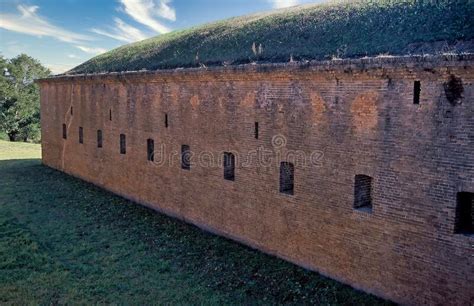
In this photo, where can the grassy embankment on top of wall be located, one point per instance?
(308, 32)
(64, 241)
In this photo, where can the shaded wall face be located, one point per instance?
(411, 161)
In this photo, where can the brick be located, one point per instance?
(360, 116)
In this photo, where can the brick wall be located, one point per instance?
(332, 121)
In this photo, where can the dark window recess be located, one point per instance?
(166, 120)
(287, 177)
(99, 139)
(81, 135)
(229, 166)
(416, 92)
(110, 114)
(363, 192)
(123, 144)
(72, 111)
(454, 90)
(256, 130)
(150, 148)
(185, 157)
(464, 213)
(64, 131)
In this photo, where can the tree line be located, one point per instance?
(20, 97)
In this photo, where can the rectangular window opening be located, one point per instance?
(256, 130)
(363, 192)
(123, 144)
(150, 148)
(416, 92)
(287, 177)
(72, 111)
(99, 138)
(464, 213)
(110, 115)
(64, 131)
(81, 135)
(229, 166)
(185, 157)
(166, 120)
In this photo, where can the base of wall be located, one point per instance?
(209, 229)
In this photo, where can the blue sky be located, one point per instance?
(65, 33)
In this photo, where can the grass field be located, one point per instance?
(65, 241)
(338, 29)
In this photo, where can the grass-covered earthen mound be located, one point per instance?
(308, 32)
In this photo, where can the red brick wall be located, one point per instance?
(354, 117)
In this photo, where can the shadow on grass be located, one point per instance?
(63, 240)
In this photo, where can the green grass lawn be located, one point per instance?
(63, 240)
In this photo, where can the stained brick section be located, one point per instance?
(358, 115)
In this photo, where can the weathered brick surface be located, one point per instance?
(358, 113)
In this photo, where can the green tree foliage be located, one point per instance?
(19, 97)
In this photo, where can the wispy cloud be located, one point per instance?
(122, 31)
(29, 22)
(283, 3)
(89, 50)
(147, 13)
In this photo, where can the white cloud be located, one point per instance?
(89, 50)
(122, 31)
(166, 11)
(29, 22)
(283, 3)
(147, 11)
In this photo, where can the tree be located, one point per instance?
(19, 97)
